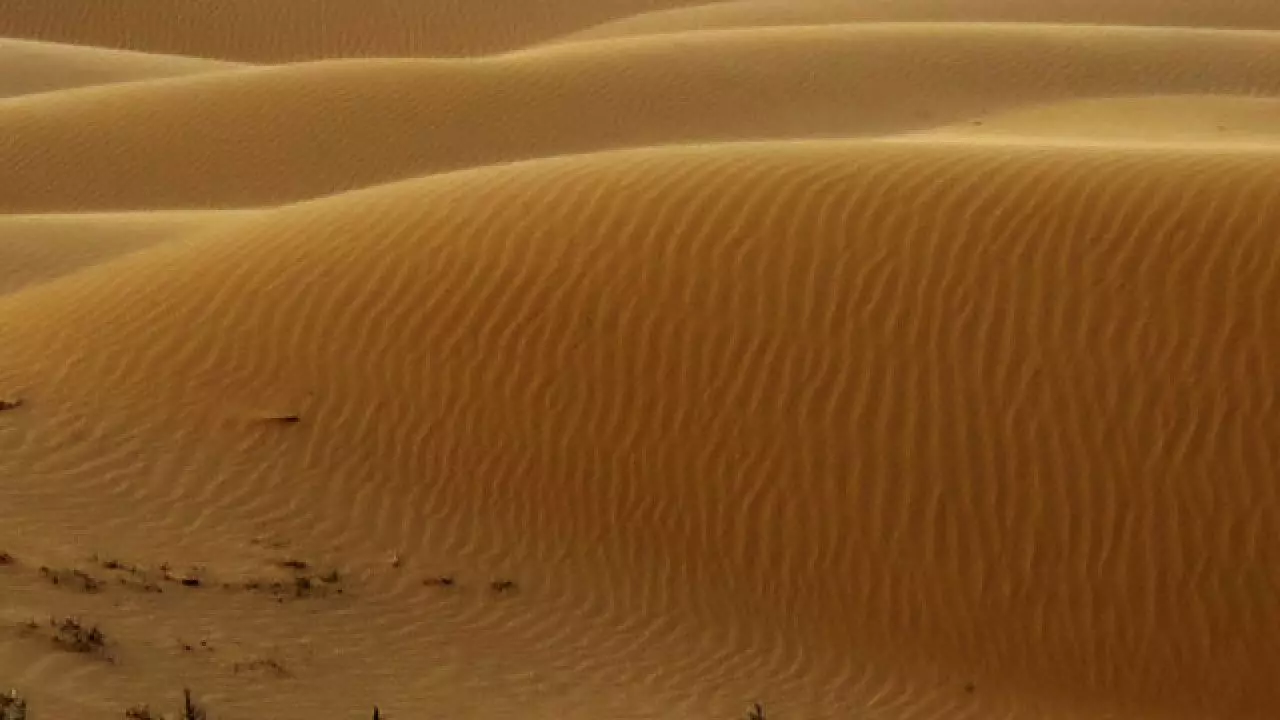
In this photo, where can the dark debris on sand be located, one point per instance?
(71, 578)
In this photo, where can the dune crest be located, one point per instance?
(37, 248)
(270, 32)
(1193, 119)
(1239, 14)
(31, 67)
(313, 129)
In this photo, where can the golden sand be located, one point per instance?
(293, 132)
(902, 365)
(33, 67)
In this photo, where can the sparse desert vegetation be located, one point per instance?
(74, 635)
(12, 706)
(140, 712)
(72, 578)
(190, 710)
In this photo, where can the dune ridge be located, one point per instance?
(32, 67)
(1240, 15)
(909, 335)
(1182, 119)
(255, 31)
(36, 248)
(184, 143)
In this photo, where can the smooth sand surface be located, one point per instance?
(292, 30)
(914, 369)
(30, 67)
(36, 248)
(313, 129)
(1234, 14)
(1182, 119)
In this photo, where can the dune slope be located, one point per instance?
(31, 67)
(36, 248)
(1238, 14)
(848, 424)
(257, 31)
(272, 135)
(1183, 119)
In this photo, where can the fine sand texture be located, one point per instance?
(30, 67)
(1182, 120)
(640, 359)
(286, 133)
(1237, 14)
(280, 31)
(35, 248)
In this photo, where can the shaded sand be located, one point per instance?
(258, 31)
(37, 248)
(1236, 14)
(32, 67)
(312, 129)
(842, 425)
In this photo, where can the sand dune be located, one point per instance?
(279, 134)
(1006, 410)
(32, 67)
(1237, 14)
(36, 248)
(253, 31)
(639, 359)
(257, 31)
(1184, 119)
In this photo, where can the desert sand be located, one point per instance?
(31, 67)
(640, 359)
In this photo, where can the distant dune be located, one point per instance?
(640, 359)
(1237, 14)
(318, 128)
(32, 67)
(274, 31)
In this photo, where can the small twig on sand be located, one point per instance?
(12, 706)
(190, 710)
(503, 586)
(72, 577)
(268, 666)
